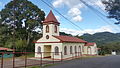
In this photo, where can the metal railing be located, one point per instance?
(26, 59)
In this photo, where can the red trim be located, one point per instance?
(89, 44)
(51, 22)
(56, 42)
(47, 42)
(2, 48)
(90, 54)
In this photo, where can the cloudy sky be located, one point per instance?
(90, 21)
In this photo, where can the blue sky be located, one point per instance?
(78, 13)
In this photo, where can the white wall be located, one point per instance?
(53, 45)
(51, 30)
(73, 49)
(93, 50)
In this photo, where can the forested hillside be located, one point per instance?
(102, 38)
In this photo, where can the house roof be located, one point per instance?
(70, 39)
(50, 18)
(2, 48)
(89, 44)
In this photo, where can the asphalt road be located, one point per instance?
(99, 62)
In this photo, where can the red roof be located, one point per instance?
(89, 44)
(51, 18)
(2, 48)
(70, 39)
(99, 48)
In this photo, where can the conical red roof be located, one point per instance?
(51, 18)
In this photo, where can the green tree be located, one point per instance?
(113, 9)
(109, 47)
(23, 18)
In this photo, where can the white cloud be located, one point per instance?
(77, 18)
(74, 12)
(90, 31)
(75, 7)
(69, 3)
(57, 3)
(99, 4)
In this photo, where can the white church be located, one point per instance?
(52, 44)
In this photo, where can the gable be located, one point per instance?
(45, 40)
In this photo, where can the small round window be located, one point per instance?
(47, 37)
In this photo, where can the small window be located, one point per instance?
(47, 29)
(75, 49)
(39, 50)
(79, 48)
(56, 50)
(65, 50)
(70, 49)
(83, 48)
(89, 50)
(95, 49)
(55, 28)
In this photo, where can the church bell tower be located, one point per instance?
(50, 26)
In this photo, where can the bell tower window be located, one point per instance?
(47, 29)
(55, 28)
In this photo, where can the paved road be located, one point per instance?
(100, 62)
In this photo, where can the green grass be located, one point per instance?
(31, 55)
(34, 67)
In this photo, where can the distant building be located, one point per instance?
(61, 45)
(113, 52)
(90, 49)
(6, 55)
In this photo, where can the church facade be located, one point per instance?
(53, 43)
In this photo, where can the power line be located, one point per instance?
(104, 12)
(113, 21)
(62, 15)
(96, 11)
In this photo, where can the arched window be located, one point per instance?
(56, 50)
(65, 50)
(70, 49)
(75, 49)
(79, 48)
(47, 29)
(83, 48)
(95, 49)
(80, 52)
(89, 50)
(55, 28)
(39, 50)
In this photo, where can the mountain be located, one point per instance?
(102, 37)
(65, 34)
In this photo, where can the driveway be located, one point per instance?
(99, 62)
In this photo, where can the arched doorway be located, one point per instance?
(56, 50)
(80, 52)
(89, 52)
